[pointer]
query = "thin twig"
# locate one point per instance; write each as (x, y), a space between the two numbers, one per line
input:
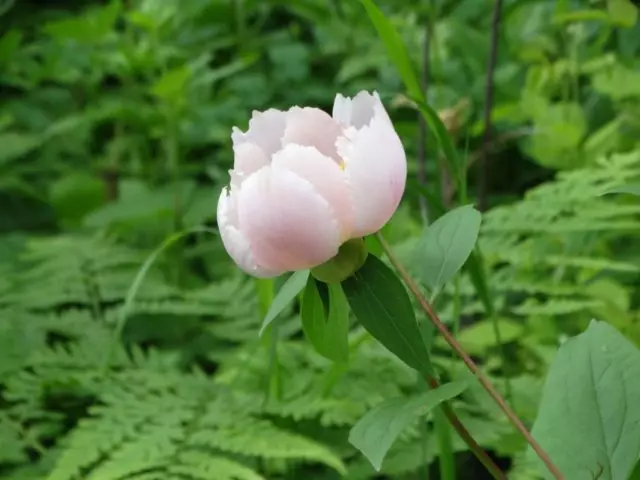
(488, 106)
(473, 368)
(464, 434)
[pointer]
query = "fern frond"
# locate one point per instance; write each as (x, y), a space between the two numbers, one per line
(169, 424)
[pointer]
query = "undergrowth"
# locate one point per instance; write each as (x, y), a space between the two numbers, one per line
(190, 392)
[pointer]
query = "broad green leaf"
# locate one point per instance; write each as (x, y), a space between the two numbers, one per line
(326, 330)
(395, 47)
(590, 409)
(382, 306)
(632, 189)
(376, 431)
(291, 288)
(622, 12)
(446, 245)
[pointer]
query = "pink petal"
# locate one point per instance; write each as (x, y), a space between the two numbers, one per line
(233, 240)
(288, 224)
(266, 130)
(312, 127)
(327, 178)
(248, 158)
(357, 111)
(376, 168)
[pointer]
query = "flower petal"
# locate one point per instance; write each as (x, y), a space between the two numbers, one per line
(359, 110)
(233, 240)
(376, 168)
(248, 158)
(327, 178)
(287, 223)
(312, 127)
(266, 130)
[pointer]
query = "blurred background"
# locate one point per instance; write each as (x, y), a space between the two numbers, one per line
(115, 122)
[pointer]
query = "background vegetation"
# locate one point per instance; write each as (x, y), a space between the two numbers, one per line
(115, 121)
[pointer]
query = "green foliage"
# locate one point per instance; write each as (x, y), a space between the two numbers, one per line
(325, 321)
(121, 361)
(381, 304)
(289, 291)
(375, 432)
(446, 246)
(602, 365)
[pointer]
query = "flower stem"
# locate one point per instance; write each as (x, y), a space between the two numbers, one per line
(473, 368)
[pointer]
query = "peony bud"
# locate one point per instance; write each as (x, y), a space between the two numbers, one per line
(304, 183)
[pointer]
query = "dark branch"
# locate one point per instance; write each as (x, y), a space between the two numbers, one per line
(483, 174)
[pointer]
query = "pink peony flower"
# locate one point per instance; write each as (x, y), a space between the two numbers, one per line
(304, 183)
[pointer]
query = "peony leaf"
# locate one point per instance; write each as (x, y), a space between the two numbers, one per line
(590, 410)
(374, 433)
(326, 326)
(446, 245)
(382, 306)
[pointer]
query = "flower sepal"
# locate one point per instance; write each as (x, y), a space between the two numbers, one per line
(351, 256)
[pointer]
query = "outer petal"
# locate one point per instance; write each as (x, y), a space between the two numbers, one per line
(266, 130)
(312, 127)
(376, 167)
(234, 241)
(359, 110)
(327, 178)
(287, 223)
(248, 158)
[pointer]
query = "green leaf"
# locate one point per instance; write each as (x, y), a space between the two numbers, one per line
(75, 195)
(632, 189)
(382, 306)
(446, 245)
(291, 288)
(15, 145)
(326, 330)
(376, 431)
(171, 85)
(622, 12)
(395, 47)
(590, 409)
